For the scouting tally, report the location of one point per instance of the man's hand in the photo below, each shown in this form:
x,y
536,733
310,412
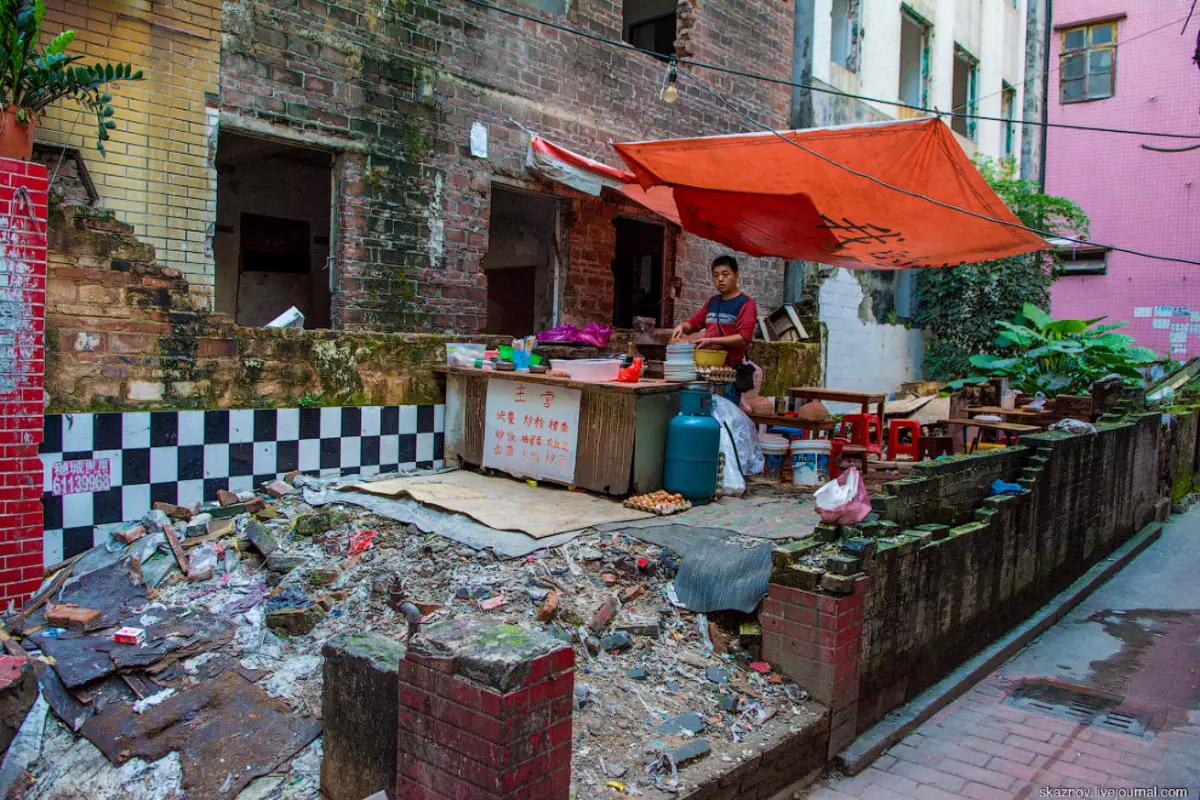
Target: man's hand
x,y
703,344
679,333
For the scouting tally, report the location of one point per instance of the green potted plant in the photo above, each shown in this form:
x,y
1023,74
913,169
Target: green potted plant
x,y
32,78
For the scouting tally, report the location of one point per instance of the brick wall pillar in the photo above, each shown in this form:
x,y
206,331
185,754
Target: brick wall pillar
x,y
485,713
815,638
23,189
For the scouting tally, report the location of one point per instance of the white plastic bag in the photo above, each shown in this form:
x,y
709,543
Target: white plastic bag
x,y
844,500
733,422
732,482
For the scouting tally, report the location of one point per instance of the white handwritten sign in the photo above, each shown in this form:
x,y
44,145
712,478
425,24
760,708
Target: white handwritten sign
x,y
531,430
80,477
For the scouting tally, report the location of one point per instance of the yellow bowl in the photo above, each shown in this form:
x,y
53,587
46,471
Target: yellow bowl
x,y
710,358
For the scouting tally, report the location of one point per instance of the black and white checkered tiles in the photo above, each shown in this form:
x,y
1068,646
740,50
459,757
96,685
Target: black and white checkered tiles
x,y
186,456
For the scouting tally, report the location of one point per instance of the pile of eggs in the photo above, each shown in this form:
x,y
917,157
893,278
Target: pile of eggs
x,y
659,502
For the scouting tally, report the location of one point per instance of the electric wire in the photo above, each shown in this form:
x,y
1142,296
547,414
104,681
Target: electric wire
x,y
1019,226
829,90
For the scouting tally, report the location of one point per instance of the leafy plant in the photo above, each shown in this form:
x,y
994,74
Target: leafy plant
x,y
961,305
1063,356
32,79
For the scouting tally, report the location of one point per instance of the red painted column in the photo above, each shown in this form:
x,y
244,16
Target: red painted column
x,y
23,193
485,714
815,638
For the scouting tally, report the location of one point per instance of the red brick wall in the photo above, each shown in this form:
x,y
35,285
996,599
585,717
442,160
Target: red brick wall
x,y
816,640
459,739
408,81
23,189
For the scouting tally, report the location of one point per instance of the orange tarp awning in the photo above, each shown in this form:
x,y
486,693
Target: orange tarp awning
x,y
761,195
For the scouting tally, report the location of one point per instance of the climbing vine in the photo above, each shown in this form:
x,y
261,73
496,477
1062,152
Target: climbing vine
x,y
960,306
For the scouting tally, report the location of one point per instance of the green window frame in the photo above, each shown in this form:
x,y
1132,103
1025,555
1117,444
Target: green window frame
x,y
1088,63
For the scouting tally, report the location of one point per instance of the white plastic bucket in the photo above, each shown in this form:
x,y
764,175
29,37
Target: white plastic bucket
x,y
810,462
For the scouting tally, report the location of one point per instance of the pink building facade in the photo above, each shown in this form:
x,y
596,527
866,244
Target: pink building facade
x,y
1124,64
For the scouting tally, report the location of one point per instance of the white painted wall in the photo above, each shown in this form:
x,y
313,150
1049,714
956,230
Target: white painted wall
x,y
864,355
991,30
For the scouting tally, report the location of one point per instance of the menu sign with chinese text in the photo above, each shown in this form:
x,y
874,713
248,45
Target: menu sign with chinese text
x,y
531,430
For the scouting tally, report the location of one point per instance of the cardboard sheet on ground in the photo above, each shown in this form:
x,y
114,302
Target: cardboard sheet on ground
x,y
505,504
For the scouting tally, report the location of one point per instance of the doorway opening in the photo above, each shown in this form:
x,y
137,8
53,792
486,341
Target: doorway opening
x,y
519,263
271,241
637,272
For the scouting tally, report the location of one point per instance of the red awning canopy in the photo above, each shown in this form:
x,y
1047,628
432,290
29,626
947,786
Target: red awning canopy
x,y
588,175
761,195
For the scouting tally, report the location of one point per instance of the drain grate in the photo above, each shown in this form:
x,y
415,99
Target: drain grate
x,y
1082,708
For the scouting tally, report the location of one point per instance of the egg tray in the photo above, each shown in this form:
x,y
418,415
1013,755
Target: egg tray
x,y
646,503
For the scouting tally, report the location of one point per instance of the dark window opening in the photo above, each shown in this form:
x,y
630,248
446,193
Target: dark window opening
x,y
914,60
843,19
650,25
1082,260
519,263
966,72
637,272
271,240
1008,110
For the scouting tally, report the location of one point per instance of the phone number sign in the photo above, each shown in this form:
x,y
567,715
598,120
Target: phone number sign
x,y
531,430
80,477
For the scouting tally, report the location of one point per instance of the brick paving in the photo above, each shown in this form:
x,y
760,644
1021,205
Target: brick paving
x,y
1134,638
978,748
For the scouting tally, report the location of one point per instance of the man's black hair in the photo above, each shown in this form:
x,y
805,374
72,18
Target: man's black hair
x,y
726,261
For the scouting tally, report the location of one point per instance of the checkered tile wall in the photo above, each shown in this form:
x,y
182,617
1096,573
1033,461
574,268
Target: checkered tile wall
x,y
186,456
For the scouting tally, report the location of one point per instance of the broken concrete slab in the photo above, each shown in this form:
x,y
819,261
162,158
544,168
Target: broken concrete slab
x,y
261,538
294,621
494,655
227,731
689,752
617,642
359,708
690,724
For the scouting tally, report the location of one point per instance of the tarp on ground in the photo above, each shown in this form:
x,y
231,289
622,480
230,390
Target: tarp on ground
x,y
761,195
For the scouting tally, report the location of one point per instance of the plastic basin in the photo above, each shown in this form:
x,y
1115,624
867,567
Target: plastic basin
x,y
711,358
589,370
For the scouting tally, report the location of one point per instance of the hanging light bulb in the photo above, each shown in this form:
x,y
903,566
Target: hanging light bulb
x,y
670,93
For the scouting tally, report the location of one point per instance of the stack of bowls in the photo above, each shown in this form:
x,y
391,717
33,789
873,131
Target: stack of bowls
x,y
680,365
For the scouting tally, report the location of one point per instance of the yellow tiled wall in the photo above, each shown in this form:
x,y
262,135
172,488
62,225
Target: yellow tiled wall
x,y
157,175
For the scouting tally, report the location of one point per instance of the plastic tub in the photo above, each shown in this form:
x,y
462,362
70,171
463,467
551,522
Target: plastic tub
x,y
463,354
711,358
774,454
589,370
810,462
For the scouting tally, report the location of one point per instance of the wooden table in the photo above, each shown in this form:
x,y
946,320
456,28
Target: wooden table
x,y
864,399
997,410
622,433
783,421
1009,429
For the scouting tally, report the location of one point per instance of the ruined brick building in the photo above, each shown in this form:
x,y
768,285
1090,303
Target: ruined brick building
x,y
326,162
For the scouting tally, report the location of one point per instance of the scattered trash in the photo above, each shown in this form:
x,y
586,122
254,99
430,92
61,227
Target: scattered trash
x,y
843,501
361,541
133,636
1000,487
1073,426
141,706
292,318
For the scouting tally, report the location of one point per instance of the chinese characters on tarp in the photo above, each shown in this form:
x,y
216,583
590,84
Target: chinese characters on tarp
x,y
531,430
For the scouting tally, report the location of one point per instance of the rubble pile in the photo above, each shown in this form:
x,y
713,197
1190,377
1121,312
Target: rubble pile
x,y
156,648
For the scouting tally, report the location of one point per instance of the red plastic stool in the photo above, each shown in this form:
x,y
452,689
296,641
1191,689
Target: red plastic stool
x,y
862,430
896,447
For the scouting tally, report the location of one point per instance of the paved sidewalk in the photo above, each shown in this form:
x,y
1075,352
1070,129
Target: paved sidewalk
x,y
1136,640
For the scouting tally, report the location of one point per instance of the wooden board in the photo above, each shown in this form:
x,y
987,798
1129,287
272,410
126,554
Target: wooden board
x,y
1007,427
504,503
836,395
645,386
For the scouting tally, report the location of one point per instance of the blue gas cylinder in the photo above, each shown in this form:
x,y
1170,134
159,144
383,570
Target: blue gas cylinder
x,y
693,447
